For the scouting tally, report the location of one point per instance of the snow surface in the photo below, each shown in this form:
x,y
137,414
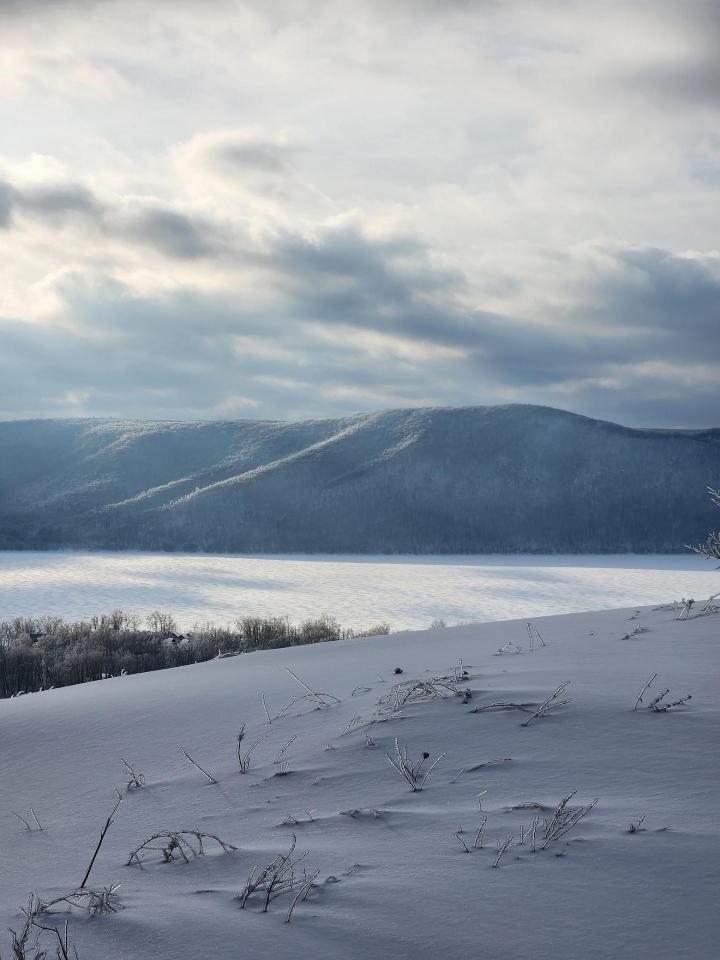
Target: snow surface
x,y
408,592
406,888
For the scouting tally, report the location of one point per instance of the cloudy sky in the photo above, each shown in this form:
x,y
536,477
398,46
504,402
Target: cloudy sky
x,y
303,208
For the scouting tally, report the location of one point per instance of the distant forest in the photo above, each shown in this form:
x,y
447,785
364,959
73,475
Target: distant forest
x,y
38,654
515,479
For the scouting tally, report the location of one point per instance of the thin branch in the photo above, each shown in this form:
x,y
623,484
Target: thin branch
x,y
190,760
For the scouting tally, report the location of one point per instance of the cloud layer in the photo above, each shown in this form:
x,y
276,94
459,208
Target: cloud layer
x,y
320,208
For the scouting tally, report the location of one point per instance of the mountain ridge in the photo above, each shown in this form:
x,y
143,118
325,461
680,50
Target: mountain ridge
x,y
511,478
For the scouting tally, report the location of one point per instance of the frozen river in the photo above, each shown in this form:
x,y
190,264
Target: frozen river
x,y
406,592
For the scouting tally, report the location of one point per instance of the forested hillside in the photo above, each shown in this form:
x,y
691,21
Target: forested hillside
x,y
479,479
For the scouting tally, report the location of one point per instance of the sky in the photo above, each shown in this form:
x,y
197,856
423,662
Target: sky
x,y
309,208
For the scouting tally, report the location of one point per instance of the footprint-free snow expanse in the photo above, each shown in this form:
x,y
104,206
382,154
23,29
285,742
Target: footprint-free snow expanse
x,y
394,882
408,592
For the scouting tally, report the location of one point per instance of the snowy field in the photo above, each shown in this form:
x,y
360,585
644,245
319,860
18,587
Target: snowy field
x,y
407,592
392,878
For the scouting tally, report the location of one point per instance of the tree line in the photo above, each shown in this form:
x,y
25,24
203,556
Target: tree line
x,y
44,652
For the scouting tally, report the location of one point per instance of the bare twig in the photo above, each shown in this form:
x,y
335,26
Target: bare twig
x,y
640,695
106,827
551,703
244,758
502,846
195,764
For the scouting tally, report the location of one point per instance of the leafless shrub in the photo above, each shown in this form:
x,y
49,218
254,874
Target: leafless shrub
x,y
564,819
410,771
94,902
552,703
26,946
175,845
508,647
683,608
418,691
243,758
276,879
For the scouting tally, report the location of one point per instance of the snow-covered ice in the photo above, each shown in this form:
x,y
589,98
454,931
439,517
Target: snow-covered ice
x,y
398,884
407,592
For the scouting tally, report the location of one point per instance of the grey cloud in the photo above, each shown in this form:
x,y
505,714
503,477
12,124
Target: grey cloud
x,y
241,155
175,357
6,203
177,235
58,202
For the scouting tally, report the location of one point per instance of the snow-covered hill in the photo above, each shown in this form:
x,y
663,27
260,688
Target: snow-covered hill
x,y
393,880
475,479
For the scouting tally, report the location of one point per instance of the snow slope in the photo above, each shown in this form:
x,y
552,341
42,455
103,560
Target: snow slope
x,y
406,887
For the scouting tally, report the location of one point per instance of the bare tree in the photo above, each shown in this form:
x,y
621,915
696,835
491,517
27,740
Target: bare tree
x,y
711,547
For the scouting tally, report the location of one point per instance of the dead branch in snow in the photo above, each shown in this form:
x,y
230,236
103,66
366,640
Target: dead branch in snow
x,y
683,608
26,947
658,705
489,763
283,749
106,826
635,827
276,879
504,705
302,893
244,758
533,833
176,845
26,823
420,691
640,695
135,780
502,846
321,698
564,819
508,647
534,634
462,843
412,771
480,835
195,764
94,902
552,703
634,633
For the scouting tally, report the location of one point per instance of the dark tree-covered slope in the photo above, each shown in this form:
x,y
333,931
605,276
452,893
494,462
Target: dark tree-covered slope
x,y
476,479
